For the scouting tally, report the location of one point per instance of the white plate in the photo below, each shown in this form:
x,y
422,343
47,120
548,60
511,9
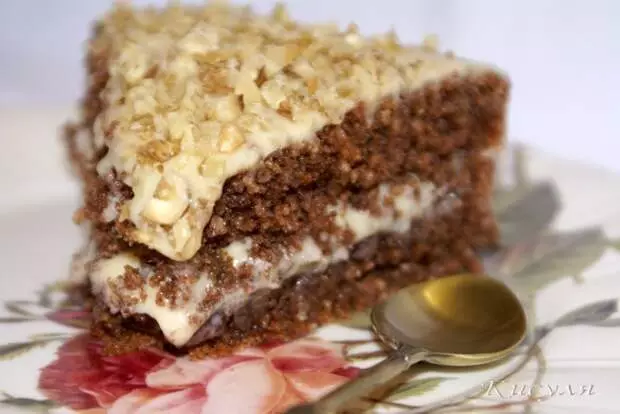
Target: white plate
x,y
575,367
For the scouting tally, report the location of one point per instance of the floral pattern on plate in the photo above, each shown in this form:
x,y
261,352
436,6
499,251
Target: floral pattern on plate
x,y
541,263
258,380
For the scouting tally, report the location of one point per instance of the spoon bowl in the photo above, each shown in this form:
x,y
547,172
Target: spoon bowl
x,y
461,320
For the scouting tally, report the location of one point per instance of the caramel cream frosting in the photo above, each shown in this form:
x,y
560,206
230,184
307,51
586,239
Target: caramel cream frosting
x,y
196,95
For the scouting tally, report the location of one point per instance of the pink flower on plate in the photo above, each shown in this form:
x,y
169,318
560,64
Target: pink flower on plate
x,y
267,379
83,378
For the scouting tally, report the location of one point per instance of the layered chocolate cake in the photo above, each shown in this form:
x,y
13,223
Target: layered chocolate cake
x,y
248,178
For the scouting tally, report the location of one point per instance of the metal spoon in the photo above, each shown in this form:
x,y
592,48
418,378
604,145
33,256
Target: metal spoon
x,y
461,320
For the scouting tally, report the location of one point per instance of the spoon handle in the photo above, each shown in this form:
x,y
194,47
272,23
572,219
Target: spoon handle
x,y
396,363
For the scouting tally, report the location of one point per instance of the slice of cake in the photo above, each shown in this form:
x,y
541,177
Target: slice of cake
x,y
249,178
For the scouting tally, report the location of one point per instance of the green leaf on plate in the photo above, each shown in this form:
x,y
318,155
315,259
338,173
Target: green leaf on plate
x,y
589,314
529,305
13,350
51,294
504,194
528,214
15,319
17,307
519,170
596,314
550,257
523,209
45,295
28,404
49,337
608,323
416,387
364,356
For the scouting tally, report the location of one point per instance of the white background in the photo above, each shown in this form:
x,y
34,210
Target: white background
x,y
563,57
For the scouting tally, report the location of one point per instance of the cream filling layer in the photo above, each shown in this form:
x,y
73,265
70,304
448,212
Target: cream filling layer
x,y
180,323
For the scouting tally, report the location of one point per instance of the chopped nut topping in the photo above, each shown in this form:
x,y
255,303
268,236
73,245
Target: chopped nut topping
x,y
230,138
158,151
312,84
261,78
197,94
285,109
